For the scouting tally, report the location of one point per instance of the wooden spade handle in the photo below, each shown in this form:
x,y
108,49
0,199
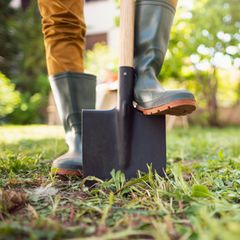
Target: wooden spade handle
x,y
127,11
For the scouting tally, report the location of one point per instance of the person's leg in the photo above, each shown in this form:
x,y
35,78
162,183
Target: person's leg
x,y
64,33
152,29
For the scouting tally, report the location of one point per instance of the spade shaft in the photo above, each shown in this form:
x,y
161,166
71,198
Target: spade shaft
x,y
126,82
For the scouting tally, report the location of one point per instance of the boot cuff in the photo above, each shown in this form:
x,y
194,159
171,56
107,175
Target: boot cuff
x,y
162,3
68,75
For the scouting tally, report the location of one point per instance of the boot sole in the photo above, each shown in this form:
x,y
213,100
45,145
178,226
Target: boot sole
x,y
177,108
66,172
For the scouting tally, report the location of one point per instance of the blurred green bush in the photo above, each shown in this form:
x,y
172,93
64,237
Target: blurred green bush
x,y
22,58
101,59
9,97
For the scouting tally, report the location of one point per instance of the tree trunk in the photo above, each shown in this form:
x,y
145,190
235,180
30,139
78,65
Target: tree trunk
x,y
212,100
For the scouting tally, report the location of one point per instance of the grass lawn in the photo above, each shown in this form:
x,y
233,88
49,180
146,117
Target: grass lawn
x,y
200,199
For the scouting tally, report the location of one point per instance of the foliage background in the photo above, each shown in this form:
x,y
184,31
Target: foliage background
x,y
203,56
22,60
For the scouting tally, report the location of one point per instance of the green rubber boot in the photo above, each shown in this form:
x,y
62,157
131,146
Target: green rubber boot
x,y
152,29
72,92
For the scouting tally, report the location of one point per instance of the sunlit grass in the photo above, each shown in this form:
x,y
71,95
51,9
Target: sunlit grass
x,y
13,134
198,199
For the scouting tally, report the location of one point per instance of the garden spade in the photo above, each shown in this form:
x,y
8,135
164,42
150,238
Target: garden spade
x,y
123,138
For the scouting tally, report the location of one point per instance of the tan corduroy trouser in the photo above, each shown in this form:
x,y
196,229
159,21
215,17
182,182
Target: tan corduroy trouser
x,y
64,31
